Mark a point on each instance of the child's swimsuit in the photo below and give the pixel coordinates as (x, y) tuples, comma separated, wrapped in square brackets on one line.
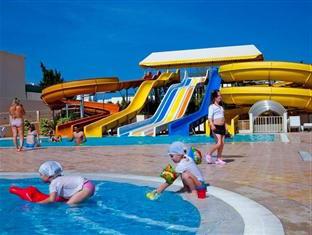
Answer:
[(89, 185)]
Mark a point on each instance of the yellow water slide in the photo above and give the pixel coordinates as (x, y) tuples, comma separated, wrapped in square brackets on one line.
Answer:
[(299, 74), (96, 129)]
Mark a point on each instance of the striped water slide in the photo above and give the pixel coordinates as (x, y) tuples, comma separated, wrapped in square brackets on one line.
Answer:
[(176, 110), (182, 126), (160, 112)]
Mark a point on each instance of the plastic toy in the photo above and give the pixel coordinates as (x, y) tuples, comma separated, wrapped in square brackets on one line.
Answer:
[(153, 195), (31, 194), (169, 174), (196, 155)]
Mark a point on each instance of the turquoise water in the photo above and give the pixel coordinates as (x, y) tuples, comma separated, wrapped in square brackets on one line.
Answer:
[(146, 140), (116, 208)]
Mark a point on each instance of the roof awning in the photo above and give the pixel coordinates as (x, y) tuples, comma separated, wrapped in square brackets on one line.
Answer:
[(202, 57)]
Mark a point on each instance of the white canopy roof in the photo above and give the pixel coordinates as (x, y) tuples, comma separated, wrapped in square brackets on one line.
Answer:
[(201, 57), (265, 105)]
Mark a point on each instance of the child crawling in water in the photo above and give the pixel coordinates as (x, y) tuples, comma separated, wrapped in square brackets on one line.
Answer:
[(185, 167), (74, 189)]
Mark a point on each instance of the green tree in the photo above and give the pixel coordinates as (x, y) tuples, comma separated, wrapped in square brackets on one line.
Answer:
[(124, 103), (49, 77)]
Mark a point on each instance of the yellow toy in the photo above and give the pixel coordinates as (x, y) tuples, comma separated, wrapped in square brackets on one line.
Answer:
[(153, 195), (169, 175)]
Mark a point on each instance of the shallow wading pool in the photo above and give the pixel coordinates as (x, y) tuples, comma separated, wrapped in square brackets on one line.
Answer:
[(116, 208)]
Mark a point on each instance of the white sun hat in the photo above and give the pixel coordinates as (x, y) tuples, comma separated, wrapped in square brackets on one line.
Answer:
[(51, 168), (177, 148)]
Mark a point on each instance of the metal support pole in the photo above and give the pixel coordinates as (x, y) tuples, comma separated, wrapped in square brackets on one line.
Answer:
[(66, 109), (250, 123), (38, 116), (82, 106), (285, 122)]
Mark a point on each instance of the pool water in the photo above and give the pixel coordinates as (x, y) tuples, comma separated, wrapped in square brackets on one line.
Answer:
[(146, 140), (116, 208)]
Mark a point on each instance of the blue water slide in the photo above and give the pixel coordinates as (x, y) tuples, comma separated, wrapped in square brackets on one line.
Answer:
[(160, 112), (182, 125)]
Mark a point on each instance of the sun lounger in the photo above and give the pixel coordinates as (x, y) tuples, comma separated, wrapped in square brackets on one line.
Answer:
[(307, 126), (294, 122)]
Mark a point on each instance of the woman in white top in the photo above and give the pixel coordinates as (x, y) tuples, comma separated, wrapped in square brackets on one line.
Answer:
[(217, 125)]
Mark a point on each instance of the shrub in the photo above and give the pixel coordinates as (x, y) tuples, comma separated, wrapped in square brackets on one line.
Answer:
[(46, 126)]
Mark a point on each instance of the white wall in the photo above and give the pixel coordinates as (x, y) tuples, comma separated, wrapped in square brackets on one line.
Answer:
[(12, 76), (33, 96)]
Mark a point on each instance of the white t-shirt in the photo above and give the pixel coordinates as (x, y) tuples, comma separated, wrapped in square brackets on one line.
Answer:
[(187, 164), (67, 186), (215, 112), (32, 137)]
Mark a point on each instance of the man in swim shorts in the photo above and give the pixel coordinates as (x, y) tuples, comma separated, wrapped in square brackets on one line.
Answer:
[(78, 136), (16, 113)]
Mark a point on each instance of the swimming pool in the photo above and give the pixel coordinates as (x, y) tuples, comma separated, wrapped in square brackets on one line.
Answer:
[(116, 208), (147, 140)]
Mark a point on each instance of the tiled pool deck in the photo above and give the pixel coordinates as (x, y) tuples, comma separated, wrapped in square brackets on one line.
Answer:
[(272, 174)]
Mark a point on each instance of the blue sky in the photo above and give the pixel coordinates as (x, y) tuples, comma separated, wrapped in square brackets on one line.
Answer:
[(84, 39)]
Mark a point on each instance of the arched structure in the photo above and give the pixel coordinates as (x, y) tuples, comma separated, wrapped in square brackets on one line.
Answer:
[(268, 105)]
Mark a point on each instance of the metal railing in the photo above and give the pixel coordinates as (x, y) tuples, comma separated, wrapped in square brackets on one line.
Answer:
[(268, 124)]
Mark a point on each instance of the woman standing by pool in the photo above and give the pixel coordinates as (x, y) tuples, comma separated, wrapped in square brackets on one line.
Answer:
[(217, 125), (17, 113)]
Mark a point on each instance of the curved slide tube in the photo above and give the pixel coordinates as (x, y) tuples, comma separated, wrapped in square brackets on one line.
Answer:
[(297, 73), (96, 129), (182, 126), (176, 110), (268, 70), (289, 97), (160, 112), (31, 194), (53, 95), (66, 129), (95, 107)]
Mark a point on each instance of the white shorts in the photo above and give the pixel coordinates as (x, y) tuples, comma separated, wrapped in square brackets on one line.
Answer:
[(17, 122)]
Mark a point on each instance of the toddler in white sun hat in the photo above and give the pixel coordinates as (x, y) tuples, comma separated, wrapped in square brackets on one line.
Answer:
[(74, 189), (190, 174)]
